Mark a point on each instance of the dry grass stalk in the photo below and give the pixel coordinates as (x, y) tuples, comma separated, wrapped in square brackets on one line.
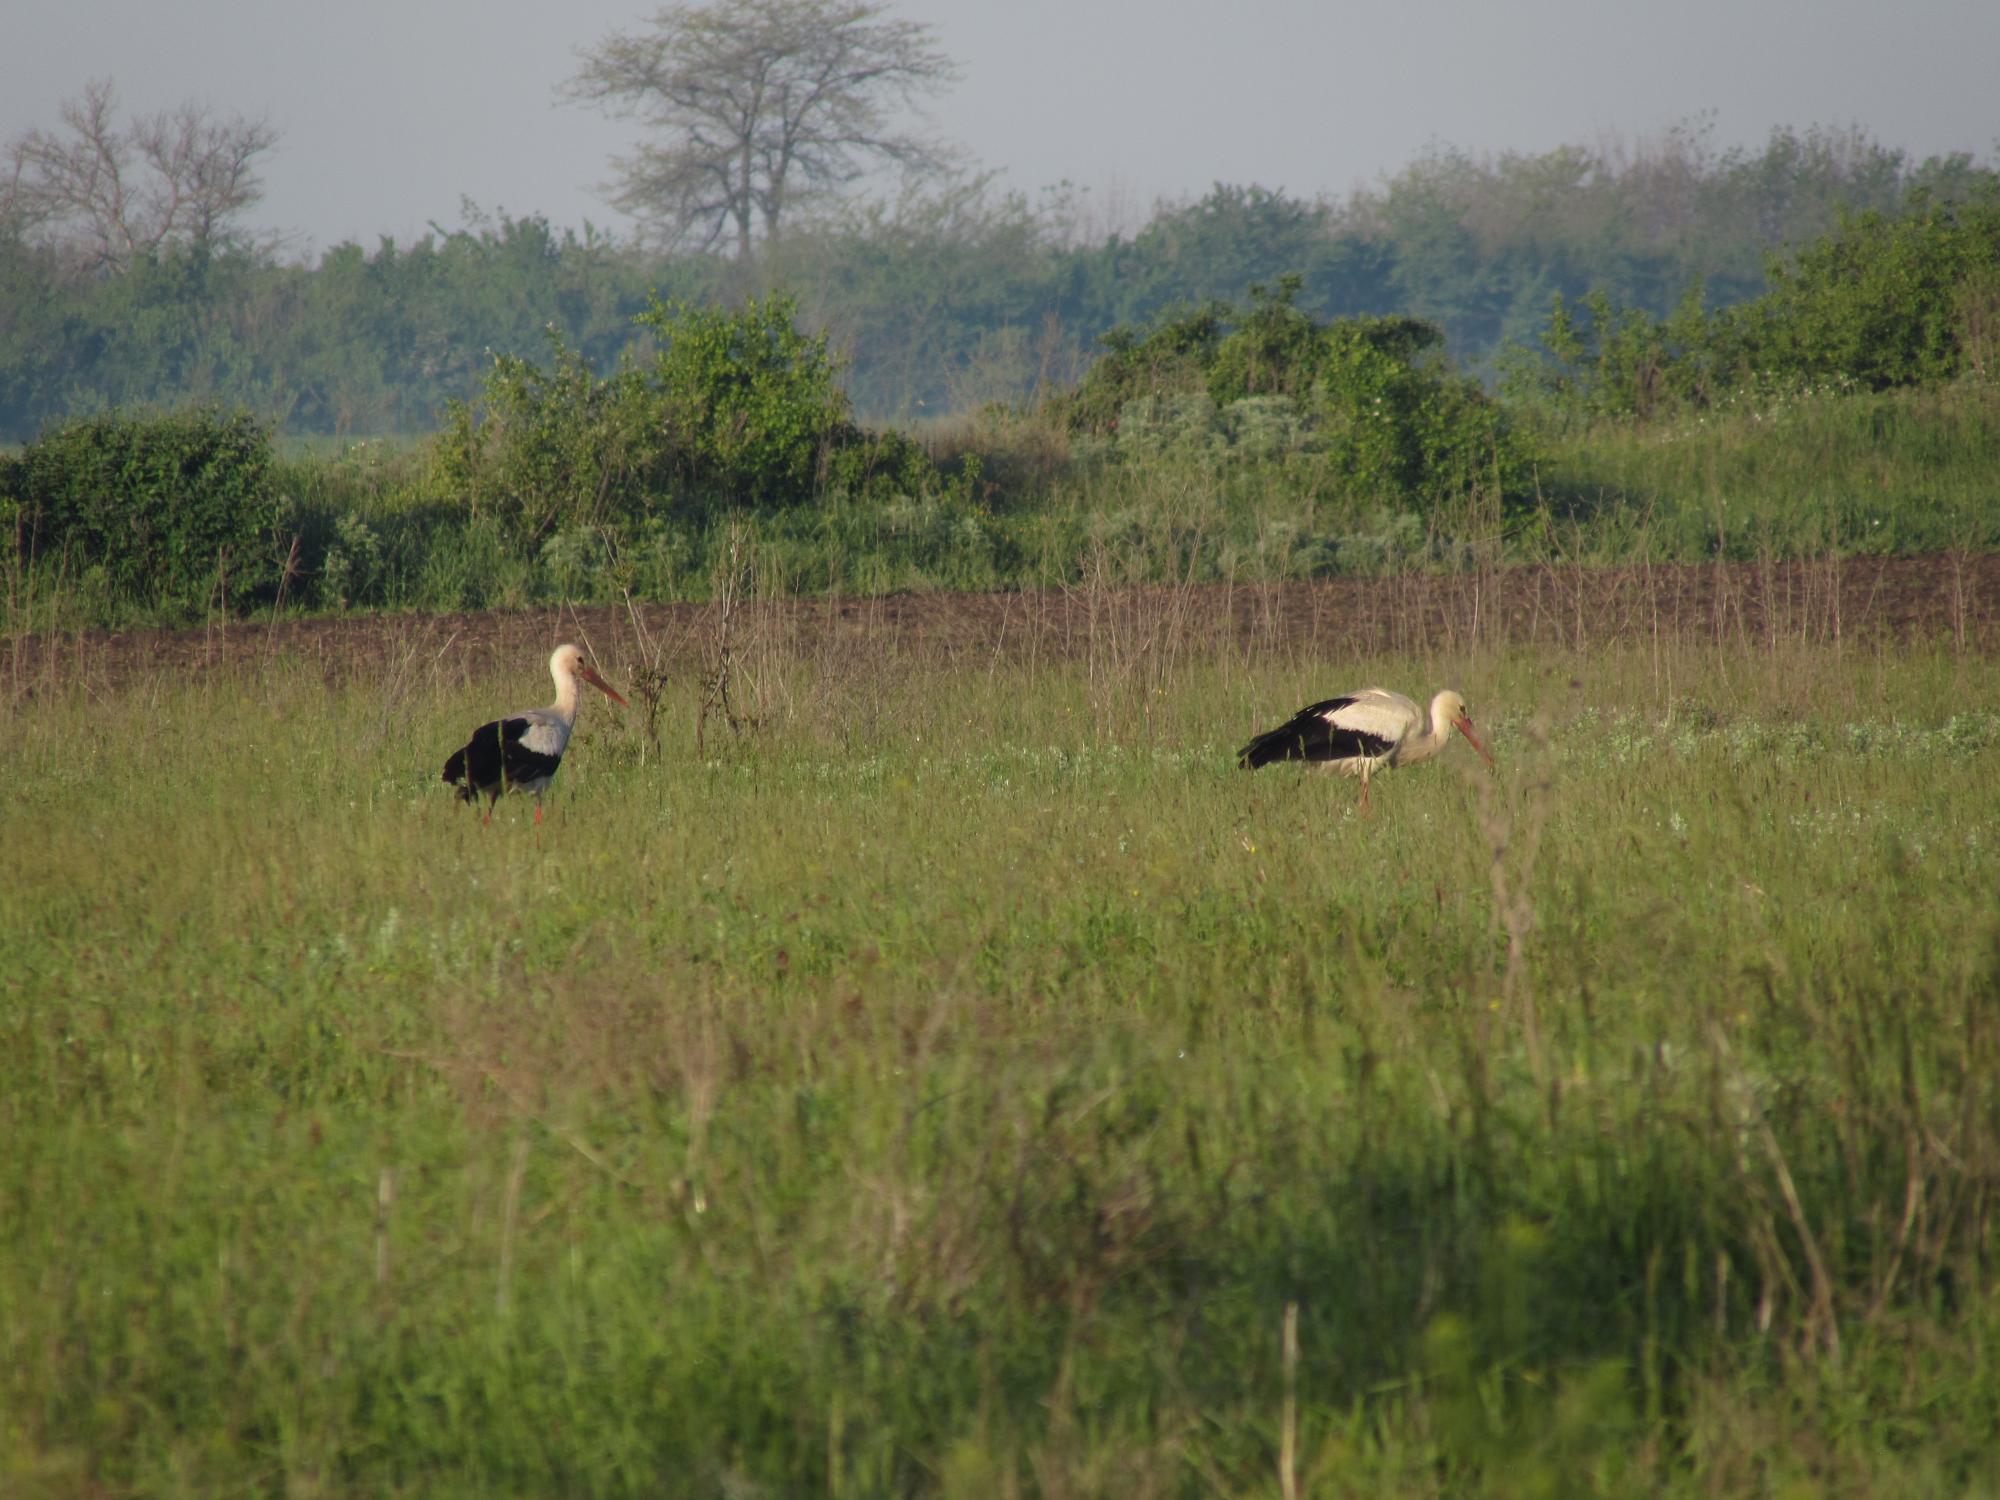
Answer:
[(1288, 1438), (649, 672), (1822, 1324), (509, 1218), (731, 580), (385, 1198), (1513, 831)]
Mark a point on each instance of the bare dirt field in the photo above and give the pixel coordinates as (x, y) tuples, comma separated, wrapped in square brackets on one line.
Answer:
[(1952, 599)]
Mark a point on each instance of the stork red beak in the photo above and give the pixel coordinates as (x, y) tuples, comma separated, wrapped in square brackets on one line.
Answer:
[(1464, 724), (583, 670)]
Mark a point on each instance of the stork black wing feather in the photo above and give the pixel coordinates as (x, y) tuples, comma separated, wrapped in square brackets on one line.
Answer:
[(495, 759), (1311, 735)]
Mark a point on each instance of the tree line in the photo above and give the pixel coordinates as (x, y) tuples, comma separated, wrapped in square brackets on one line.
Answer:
[(949, 297)]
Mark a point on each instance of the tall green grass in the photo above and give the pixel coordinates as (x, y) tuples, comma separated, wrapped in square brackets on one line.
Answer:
[(957, 1084), (1786, 475)]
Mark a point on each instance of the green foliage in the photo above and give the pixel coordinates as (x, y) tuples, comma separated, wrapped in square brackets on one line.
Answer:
[(11, 518), (945, 300), (1364, 405), (1401, 426), (1215, 248), (751, 403), (1885, 302), (544, 448), (1274, 349), (351, 570), (1781, 475), (733, 411), (1600, 360), (1171, 358), (863, 464), (358, 342), (1184, 491), (1224, 442), (171, 511)]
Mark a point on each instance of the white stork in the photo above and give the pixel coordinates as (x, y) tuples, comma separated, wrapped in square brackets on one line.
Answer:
[(1363, 733), (523, 750)]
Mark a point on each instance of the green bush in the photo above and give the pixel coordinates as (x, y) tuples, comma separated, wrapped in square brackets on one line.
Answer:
[(1882, 303), (171, 509), (546, 449), (1369, 404), (753, 404), (1277, 350), (10, 497), (1172, 360), (880, 465), (733, 411), (1889, 301), (1399, 424)]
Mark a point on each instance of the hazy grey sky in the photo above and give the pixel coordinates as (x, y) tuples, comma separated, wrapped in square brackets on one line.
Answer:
[(392, 112)]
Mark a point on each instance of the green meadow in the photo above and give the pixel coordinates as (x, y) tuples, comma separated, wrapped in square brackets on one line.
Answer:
[(963, 1081)]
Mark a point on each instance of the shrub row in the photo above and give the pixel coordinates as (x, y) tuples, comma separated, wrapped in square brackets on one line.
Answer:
[(177, 512)]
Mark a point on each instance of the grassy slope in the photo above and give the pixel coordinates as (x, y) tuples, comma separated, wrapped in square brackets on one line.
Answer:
[(948, 1090)]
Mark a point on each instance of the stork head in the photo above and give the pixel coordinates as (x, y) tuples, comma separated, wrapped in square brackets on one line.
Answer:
[(1450, 707), (567, 664)]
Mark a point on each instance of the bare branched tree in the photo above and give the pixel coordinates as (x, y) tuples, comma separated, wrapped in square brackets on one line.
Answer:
[(759, 105), (113, 193)]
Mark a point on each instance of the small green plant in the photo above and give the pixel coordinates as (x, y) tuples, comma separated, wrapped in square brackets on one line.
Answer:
[(351, 571), (574, 559)]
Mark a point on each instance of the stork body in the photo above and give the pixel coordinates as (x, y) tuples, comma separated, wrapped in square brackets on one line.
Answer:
[(522, 751), (1365, 732)]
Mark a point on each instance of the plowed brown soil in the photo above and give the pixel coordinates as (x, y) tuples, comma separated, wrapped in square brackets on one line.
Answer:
[(1949, 598)]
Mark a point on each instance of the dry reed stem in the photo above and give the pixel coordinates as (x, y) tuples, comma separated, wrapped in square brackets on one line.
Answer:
[(1288, 1439), (509, 1217), (1821, 1323), (1513, 831), (731, 579)]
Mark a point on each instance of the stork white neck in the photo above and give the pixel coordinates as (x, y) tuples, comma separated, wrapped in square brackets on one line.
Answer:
[(564, 671), (1444, 708), (1436, 731)]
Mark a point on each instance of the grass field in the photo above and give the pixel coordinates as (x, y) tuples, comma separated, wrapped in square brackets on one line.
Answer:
[(967, 1083)]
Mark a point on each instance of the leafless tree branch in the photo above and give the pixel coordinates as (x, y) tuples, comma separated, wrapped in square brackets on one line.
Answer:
[(112, 194), (758, 107)]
